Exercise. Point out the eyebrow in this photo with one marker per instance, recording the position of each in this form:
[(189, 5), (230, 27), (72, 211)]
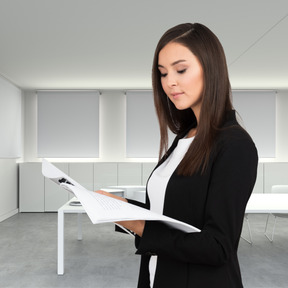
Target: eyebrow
[(174, 63)]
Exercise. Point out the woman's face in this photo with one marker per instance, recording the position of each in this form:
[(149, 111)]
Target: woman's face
[(181, 77)]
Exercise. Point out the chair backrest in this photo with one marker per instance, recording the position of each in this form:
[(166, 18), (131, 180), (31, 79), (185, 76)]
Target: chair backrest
[(279, 189)]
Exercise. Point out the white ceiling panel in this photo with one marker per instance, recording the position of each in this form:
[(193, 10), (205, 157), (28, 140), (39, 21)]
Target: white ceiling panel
[(60, 44)]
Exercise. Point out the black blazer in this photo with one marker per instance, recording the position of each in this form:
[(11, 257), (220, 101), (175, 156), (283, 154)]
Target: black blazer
[(213, 202)]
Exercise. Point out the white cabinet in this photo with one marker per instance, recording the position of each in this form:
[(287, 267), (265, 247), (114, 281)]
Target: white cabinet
[(31, 198), (105, 175), (129, 174), (258, 187), (275, 174), (83, 174), (38, 194), (147, 169), (55, 196)]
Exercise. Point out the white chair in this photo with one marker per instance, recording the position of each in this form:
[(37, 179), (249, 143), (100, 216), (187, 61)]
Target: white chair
[(276, 189), (250, 241)]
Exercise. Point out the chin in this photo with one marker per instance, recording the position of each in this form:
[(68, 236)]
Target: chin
[(179, 107)]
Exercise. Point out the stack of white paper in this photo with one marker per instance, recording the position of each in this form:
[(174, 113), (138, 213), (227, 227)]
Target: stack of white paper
[(101, 208)]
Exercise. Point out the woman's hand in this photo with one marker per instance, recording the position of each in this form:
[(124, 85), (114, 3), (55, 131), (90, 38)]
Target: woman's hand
[(137, 226), (111, 195)]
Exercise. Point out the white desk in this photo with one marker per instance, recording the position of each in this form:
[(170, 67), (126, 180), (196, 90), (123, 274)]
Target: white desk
[(267, 203), (67, 208), (258, 203), (129, 190)]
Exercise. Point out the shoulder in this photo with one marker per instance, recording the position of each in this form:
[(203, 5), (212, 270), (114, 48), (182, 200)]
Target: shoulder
[(231, 130), (234, 138), (233, 133)]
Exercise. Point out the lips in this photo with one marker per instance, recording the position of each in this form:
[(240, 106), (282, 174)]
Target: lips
[(176, 95)]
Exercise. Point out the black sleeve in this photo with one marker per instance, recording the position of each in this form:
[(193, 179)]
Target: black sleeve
[(134, 202)]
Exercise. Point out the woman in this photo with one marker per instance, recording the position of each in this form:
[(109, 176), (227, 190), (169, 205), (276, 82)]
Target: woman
[(205, 178)]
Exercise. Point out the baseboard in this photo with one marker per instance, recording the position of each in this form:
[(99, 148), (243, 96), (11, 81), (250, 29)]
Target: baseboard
[(8, 214)]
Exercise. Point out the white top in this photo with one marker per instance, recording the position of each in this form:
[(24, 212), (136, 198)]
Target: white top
[(157, 184)]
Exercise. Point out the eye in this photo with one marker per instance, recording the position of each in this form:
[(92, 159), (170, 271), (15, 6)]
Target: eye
[(181, 71), (162, 75)]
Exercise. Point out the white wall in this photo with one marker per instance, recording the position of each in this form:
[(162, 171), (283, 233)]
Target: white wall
[(10, 120), (113, 133), (11, 144), (112, 141), (112, 126), (9, 188), (112, 130), (281, 127), (30, 126)]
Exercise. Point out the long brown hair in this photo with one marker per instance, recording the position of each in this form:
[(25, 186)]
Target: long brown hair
[(216, 95)]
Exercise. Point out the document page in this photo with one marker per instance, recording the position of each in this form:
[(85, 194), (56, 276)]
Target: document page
[(101, 208)]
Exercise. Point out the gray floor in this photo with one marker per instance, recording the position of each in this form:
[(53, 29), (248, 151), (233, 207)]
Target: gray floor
[(28, 254)]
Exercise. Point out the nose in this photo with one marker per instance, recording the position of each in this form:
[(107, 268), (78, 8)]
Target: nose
[(171, 81)]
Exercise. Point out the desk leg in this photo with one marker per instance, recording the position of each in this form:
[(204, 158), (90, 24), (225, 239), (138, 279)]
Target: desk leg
[(79, 226), (60, 256)]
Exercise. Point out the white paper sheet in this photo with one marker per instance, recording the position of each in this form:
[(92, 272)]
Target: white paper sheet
[(101, 208)]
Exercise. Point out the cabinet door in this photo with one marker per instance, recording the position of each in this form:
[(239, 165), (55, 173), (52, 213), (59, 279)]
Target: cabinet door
[(83, 174), (105, 175), (259, 184), (147, 169), (275, 173), (31, 195), (55, 196), (129, 174)]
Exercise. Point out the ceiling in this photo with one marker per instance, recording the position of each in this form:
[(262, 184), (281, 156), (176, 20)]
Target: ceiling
[(93, 44)]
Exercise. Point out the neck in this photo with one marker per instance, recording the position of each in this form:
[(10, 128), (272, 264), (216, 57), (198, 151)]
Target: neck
[(192, 133)]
